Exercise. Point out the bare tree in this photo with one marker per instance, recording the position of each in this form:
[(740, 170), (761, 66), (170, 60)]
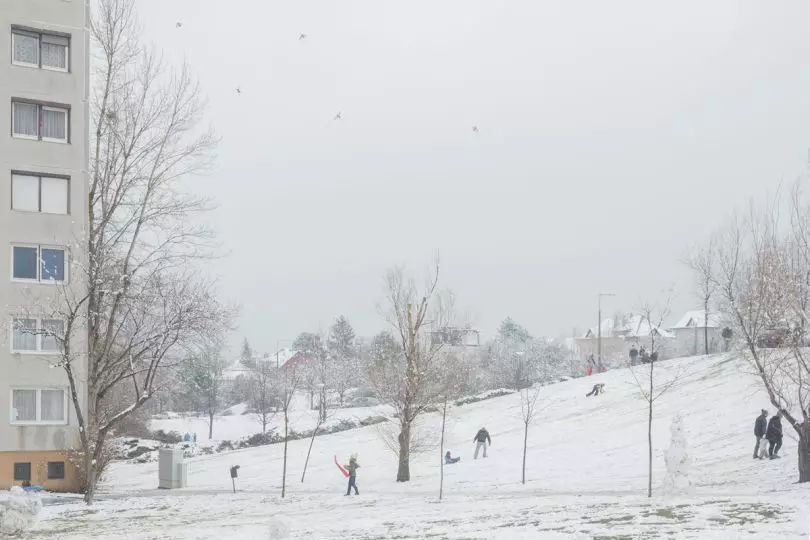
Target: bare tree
[(763, 277), (290, 383), (645, 375), (701, 261), (315, 372), (263, 392), (136, 299), (323, 416), (528, 413), (455, 378), (408, 383), (203, 376)]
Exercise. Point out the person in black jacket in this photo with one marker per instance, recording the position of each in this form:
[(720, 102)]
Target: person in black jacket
[(481, 440), (760, 426), (633, 355), (774, 435)]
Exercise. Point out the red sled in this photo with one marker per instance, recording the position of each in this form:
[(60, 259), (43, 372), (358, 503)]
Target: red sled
[(339, 466)]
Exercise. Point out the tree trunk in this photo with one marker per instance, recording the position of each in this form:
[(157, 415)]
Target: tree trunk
[(311, 441), (284, 469), (441, 450), (804, 454), (210, 425), (649, 434), (90, 477), (404, 470), (525, 440), (264, 422), (706, 325)]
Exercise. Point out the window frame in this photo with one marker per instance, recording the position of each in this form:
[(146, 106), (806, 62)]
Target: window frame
[(41, 105), (39, 35), (55, 476), (39, 421), (38, 279), (39, 177), (38, 350), (26, 466)]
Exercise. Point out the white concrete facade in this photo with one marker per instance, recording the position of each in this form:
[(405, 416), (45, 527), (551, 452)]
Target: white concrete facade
[(43, 204)]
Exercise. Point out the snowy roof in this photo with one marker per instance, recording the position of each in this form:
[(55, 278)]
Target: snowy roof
[(607, 329), (697, 318), (635, 326)]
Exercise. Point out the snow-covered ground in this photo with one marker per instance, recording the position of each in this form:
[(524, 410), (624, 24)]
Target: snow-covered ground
[(586, 477), (237, 424)]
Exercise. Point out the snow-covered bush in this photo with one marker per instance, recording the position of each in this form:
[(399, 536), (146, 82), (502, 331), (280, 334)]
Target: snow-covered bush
[(19, 512), (677, 481)]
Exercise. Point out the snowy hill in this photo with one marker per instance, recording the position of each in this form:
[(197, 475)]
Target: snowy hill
[(586, 475)]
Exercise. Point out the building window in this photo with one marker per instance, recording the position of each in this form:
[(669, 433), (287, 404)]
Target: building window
[(31, 335), (38, 263), (40, 50), (37, 121), (36, 193), (38, 406), (56, 470), (22, 472)]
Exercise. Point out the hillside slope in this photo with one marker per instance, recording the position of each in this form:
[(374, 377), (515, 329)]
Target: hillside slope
[(586, 472)]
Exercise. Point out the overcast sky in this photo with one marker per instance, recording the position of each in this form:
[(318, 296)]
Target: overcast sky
[(611, 136)]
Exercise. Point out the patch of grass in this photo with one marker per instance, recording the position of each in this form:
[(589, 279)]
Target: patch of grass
[(611, 520)]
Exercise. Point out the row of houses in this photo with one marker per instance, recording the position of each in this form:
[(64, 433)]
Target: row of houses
[(621, 333)]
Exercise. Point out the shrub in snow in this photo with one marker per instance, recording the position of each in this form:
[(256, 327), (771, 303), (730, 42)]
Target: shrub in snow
[(19, 512), (481, 397), (677, 481)]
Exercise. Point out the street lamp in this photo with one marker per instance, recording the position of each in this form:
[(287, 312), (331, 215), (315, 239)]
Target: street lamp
[(599, 322)]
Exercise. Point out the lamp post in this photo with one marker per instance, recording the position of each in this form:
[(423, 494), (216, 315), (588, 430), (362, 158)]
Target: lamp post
[(599, 322)]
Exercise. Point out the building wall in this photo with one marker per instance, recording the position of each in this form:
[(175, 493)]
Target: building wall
[(691, 341), (64, 17)]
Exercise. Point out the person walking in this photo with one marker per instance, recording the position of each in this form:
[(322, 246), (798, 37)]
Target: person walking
[(760, 427), (633, 355), (774, 435), (352, 470), (481, 440)]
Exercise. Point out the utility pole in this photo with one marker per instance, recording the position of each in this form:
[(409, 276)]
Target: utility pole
[(599, 323)]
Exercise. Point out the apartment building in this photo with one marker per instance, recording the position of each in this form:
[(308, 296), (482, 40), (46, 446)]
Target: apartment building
[(44, 79)]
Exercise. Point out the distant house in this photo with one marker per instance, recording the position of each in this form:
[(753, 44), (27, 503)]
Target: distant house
[(690, 333), (638, 332), (298, 359), (613, 346), (622, 333)]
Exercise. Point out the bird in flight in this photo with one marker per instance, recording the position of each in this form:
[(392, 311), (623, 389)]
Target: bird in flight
[(238, 90), (475, 129), (302, 36), (338, 116), (178, 25)]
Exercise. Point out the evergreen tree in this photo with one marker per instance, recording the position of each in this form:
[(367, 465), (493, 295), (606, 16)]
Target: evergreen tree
[(246, 356), (342, 354)]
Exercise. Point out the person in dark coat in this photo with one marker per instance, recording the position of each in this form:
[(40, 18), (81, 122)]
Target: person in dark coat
[(449, 460), (351, 468), (760, 427), (774, 435), (633, 355), (481, 440)]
